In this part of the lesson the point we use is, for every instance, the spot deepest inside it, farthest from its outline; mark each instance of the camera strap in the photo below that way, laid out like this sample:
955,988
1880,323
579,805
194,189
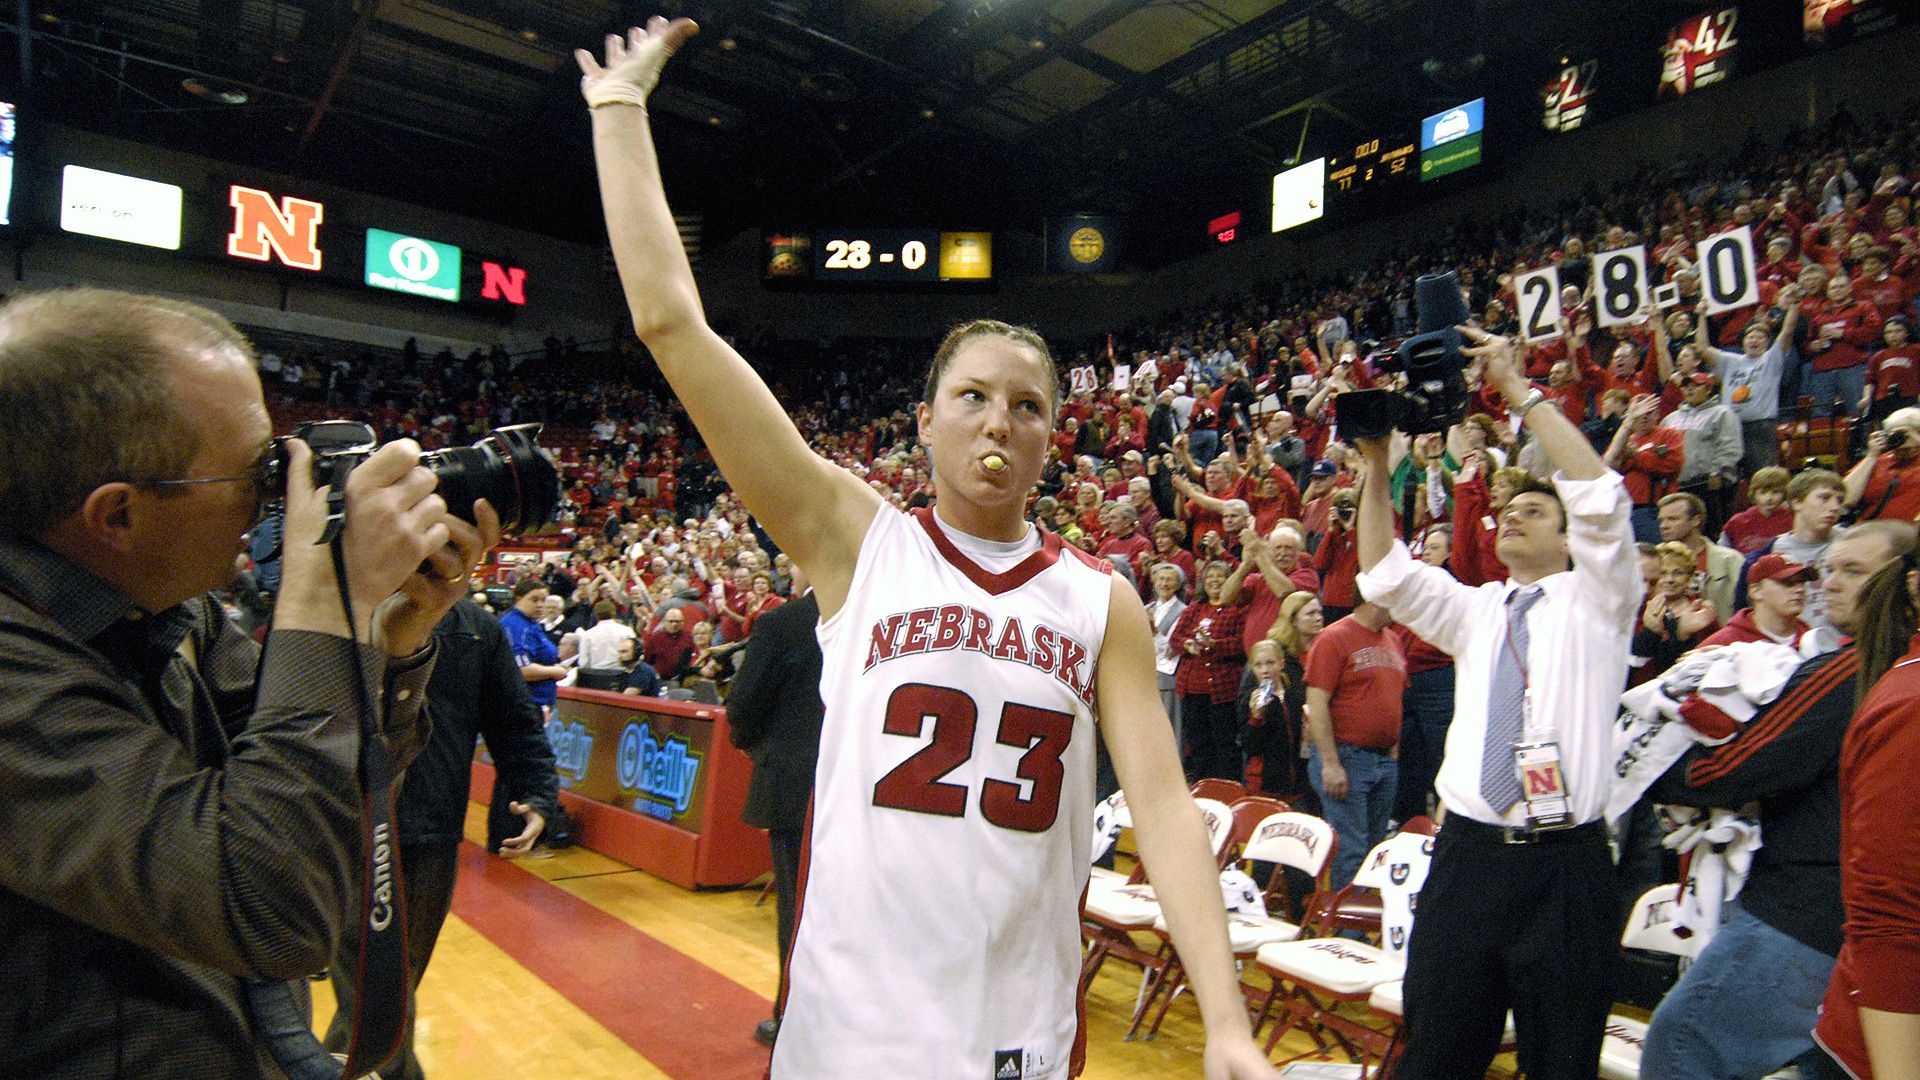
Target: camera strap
380,963
378,966
1893,484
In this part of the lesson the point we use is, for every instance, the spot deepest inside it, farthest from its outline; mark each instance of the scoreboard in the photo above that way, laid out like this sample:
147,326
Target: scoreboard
1375,164
856,256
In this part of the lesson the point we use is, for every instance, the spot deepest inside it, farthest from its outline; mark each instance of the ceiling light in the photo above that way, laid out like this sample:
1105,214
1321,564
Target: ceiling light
530,34
926,113
221,93
728,43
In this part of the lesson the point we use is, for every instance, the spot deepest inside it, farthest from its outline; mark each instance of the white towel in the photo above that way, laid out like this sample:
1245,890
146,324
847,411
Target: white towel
1722,843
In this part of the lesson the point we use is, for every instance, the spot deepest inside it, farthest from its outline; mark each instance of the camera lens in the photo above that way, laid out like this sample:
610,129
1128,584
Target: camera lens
509,469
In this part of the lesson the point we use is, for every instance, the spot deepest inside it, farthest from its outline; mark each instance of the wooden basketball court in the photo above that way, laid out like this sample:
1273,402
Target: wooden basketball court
578,966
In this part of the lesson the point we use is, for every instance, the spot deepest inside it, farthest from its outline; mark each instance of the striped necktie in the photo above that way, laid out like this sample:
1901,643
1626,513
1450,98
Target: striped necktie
1506,706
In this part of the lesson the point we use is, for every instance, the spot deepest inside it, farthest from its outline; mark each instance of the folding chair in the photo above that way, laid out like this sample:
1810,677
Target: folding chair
1101,877
1311,978
1650,927
1285,839
1247,813
1113,913
1226,791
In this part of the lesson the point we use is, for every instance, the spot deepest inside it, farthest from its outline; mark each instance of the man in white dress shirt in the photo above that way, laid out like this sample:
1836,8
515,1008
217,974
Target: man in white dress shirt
1518,911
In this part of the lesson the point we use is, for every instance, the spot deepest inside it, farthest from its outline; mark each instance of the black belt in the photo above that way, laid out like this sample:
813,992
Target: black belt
1466,828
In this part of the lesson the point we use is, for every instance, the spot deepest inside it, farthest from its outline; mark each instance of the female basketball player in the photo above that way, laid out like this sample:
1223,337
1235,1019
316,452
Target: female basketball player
966,656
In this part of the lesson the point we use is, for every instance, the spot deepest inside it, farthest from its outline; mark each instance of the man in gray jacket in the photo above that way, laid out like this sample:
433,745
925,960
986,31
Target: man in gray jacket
1713,447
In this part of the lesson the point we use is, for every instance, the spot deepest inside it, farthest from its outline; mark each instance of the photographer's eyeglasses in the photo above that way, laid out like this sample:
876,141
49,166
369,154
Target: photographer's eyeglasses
260,477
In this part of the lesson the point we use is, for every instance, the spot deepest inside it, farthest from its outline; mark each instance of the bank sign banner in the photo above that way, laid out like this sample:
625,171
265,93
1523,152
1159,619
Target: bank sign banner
409,264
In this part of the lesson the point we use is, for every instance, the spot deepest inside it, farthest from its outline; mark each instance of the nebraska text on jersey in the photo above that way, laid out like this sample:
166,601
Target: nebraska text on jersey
957,626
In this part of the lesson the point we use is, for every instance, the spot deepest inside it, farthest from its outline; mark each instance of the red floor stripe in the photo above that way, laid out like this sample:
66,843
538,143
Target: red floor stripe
690,1021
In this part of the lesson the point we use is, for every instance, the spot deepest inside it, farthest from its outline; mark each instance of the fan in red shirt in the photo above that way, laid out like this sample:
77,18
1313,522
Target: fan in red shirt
1167,534
1626,371
1202,510
1781,268
1886,482
1647,457
1356,678
762,599
1565,389
1893,373
1870,1020
1337,559
1755,527
1575,325
1776,595
1275,497
1068,437
1477,502
1842,329
1887,293
1123,539
1208,641
1273,557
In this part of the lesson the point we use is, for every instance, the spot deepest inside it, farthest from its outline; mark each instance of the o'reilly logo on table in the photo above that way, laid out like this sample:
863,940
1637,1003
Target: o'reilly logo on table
409,264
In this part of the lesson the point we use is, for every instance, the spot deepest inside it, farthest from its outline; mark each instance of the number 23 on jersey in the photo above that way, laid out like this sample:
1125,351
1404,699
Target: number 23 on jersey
918,784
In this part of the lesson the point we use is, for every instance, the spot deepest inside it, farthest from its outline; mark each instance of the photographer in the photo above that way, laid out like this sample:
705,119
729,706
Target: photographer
1335,559
156,766
1885,484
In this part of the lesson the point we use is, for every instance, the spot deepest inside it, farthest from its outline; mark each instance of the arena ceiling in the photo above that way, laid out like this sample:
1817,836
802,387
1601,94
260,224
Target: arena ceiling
931,112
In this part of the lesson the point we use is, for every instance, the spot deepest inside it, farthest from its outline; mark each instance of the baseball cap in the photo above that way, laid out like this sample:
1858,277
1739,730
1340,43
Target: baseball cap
1772,567
1701,378
1323,467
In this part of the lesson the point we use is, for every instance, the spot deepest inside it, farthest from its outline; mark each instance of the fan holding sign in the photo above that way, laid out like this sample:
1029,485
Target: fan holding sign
1750,379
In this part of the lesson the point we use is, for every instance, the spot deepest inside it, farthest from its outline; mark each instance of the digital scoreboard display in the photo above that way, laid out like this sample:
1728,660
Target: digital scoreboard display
1699,52
1450,140
1374,164
872,256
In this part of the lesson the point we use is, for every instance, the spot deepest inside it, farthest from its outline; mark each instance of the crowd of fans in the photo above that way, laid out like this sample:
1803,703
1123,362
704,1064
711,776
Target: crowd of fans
1213,475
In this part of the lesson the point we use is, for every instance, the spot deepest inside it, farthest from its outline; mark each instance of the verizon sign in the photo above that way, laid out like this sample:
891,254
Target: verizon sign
113,206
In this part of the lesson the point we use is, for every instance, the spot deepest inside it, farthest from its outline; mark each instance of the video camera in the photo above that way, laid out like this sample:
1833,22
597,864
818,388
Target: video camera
1436,395
508,468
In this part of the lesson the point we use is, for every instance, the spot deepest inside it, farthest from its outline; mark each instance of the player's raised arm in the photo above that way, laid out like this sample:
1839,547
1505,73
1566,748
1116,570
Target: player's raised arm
1171,835
817,512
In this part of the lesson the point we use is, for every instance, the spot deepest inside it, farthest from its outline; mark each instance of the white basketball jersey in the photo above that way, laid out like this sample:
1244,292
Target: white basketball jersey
948,848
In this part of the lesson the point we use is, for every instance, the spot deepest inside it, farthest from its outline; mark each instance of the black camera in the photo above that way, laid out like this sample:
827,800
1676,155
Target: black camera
1897,438
1436,395
508,468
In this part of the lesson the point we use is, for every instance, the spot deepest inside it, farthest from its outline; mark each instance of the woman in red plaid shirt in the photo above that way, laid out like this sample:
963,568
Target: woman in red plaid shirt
1207,639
